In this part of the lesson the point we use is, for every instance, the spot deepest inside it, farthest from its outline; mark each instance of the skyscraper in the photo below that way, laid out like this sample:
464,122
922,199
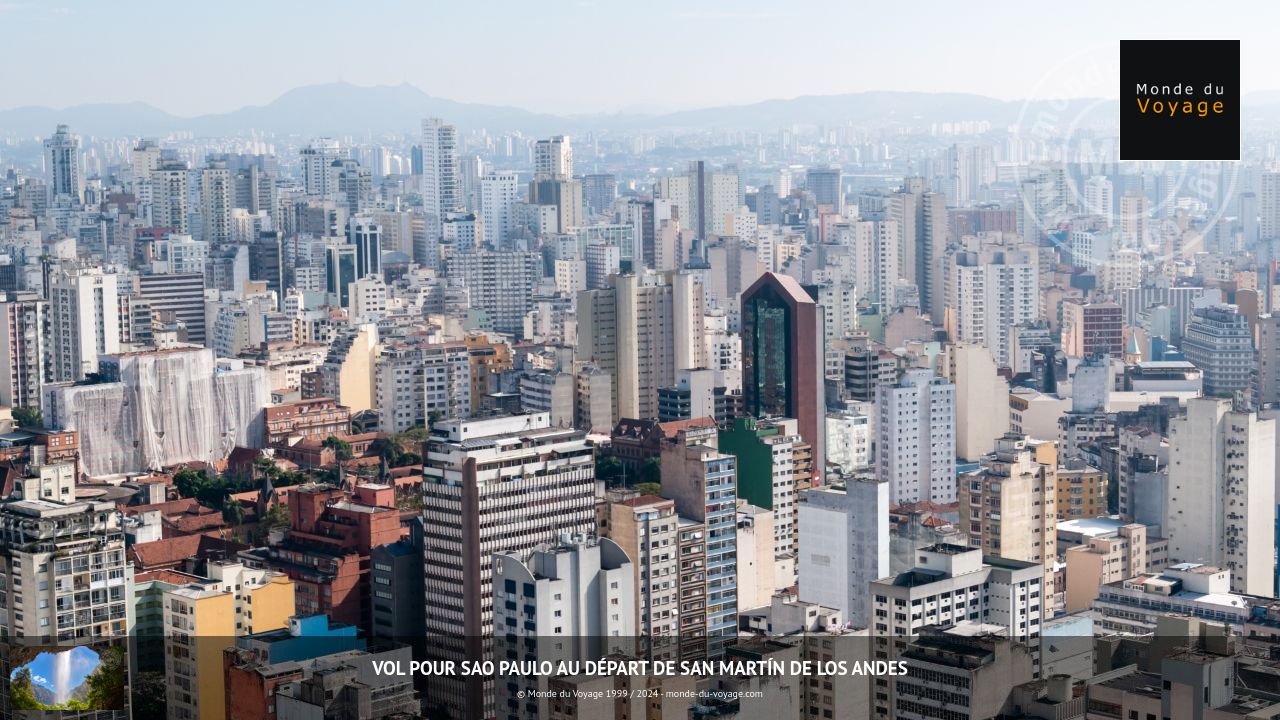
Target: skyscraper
782,357
824,183
498,195
1219,342
24,318
844,545
916,450
366,236
84,321
62,160
553,158
217,196
642,330
500,484
1221,507
439,173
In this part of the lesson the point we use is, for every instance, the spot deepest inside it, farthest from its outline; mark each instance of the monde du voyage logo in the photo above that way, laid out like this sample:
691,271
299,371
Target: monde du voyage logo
1179,99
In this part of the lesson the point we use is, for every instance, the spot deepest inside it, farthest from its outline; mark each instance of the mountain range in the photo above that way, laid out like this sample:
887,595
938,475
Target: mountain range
345,109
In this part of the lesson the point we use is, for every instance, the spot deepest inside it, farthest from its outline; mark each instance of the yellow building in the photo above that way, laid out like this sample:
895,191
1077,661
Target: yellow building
489,359
1120,555
1008,505
203,618
1082,493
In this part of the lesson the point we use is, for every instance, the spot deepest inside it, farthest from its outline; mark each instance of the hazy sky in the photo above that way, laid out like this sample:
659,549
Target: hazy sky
575,56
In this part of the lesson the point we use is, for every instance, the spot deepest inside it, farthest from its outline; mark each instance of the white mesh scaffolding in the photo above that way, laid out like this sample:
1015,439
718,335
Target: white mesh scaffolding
169,407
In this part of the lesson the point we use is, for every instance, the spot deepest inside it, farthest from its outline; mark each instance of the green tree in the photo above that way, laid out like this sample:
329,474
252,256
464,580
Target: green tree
21,696
341,448
609,469
233,512
148,695
648,488
30,417
277,516
106,682
651,471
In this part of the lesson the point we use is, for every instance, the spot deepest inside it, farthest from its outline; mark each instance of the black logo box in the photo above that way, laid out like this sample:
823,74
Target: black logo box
1187,68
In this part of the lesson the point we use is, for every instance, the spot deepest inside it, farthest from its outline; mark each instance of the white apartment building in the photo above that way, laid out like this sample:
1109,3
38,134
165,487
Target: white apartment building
844,545
916,451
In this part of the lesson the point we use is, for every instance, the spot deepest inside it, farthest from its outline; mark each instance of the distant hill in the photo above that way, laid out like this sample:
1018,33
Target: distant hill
345,109
42,694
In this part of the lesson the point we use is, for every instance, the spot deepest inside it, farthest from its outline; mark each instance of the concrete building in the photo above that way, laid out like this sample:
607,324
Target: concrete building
1110,558
773,462
416,383
200,618
1008,507
1092,328
84,321
844,545
758,568
479,479
642,331
982,411
849,441
1082,491
1218,340
578,594
62,162
24,349
646,527
1221,504
949,585
962,672
703,483
1134,606
916,438
992,288
499,284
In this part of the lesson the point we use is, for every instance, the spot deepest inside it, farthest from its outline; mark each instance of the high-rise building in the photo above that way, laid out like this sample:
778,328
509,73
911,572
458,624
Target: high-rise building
499,193
49,539
642,330
1130,551
62,162
1269,207
1218,340
1092,328
921,219
916,448
993,287
773,461
24,340
1099,198
702,482
948,585
217,197
844,545
318,158
553,158
84,321
783,356
824,184
1266,388
202,616
500,484
982,406
440,192
366,236
599,191
582,591
170,204
177,298
1221,506
1008,506
417,384
499,283
340,273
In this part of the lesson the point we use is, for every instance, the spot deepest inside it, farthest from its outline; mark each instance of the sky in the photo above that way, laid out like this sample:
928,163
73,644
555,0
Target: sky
83,661
589,56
